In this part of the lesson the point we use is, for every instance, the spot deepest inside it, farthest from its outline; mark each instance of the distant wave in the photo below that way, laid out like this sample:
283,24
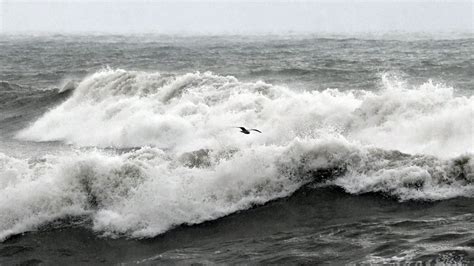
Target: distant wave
14,96
19,105
285,71
329,69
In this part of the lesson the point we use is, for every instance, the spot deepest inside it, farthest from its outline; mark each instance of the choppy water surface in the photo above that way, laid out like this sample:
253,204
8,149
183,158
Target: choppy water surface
124,149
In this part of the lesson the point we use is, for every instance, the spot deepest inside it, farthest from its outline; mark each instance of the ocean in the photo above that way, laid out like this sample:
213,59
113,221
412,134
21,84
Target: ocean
126,149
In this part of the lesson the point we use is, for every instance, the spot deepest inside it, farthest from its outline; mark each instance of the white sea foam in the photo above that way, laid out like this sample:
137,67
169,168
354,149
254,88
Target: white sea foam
193,166
145,192
140,193
118,108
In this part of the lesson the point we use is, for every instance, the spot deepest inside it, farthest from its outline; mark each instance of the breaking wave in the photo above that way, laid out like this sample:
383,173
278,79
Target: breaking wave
118,108
145,192
154,151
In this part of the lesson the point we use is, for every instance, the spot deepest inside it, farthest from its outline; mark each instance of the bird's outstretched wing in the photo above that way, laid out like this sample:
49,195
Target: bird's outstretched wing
243,128
256,130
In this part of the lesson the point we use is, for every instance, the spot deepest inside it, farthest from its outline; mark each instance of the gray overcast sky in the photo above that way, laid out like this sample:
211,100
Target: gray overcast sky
234,16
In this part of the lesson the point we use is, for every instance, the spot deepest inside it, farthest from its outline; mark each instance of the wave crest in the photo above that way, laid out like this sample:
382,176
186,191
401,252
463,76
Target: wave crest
118,108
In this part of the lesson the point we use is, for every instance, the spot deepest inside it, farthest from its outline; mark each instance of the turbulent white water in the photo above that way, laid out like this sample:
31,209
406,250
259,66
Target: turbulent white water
194,166
118,108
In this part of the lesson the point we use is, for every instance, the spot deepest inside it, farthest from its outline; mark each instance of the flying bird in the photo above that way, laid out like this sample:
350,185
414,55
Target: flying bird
247,131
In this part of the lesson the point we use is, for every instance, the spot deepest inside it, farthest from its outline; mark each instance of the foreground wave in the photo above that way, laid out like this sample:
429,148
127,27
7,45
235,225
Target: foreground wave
146,192
155,151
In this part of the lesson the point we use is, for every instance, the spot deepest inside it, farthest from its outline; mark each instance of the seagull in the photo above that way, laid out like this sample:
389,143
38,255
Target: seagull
247,131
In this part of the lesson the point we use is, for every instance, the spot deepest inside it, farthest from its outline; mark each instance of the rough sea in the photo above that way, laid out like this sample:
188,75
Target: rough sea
124,149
